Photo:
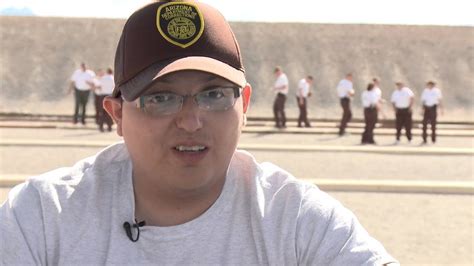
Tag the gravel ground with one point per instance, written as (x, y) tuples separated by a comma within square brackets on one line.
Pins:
[(418, 229)]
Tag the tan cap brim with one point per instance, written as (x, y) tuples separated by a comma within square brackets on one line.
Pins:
[(135, 87)]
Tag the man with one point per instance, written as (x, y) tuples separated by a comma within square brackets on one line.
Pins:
[(104, 87), (302, 94), (177, 192), (402, 100), (96, 88), (281, 89), (81, 81), (430, 99), (371, 103), (345, 91), (378, 92), (376, 88)]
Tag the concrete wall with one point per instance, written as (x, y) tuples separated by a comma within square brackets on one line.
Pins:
[(38, 55)]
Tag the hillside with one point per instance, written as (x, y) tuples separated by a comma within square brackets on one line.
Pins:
[(38, 55)]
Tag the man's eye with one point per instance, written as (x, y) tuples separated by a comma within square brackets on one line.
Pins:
[(161, 97), (218, 93), (214, 94)]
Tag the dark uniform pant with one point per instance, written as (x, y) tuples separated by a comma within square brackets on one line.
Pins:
[(102, 117), (279, 110), (303, 118), (403, 120), (81, 98), (370, 117), (429, 116), (346, 114)]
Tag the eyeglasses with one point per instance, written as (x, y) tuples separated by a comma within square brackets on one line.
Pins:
[(167, 103)]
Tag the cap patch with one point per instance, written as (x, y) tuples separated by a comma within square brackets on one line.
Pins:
[(180, 23)]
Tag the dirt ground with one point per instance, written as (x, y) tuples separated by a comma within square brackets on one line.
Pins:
[(418, 229)]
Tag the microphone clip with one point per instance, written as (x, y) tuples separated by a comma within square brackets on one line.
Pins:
[(128, 229)]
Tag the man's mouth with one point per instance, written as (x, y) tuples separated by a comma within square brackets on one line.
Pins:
[(195, 148)]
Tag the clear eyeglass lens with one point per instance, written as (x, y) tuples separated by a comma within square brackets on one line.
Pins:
[(166, 103), (218, 99), (162, 103)]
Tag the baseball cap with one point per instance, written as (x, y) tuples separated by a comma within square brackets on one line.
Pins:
[(168, 36)]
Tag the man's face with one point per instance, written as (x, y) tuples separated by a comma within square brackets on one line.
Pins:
[(163, 148)]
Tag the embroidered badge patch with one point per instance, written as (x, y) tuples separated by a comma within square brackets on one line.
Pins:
[(180, 23)]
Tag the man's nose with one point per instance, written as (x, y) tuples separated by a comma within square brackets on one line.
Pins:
[(189, 118)]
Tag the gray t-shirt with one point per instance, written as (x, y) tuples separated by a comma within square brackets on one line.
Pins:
[(264, 216)]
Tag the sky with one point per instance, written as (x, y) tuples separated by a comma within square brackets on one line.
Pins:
[(412, 12)]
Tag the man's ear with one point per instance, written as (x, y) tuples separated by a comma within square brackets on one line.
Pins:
[(113, 106), (246, 94)]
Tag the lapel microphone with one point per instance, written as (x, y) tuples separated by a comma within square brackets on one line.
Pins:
[(128, 229)]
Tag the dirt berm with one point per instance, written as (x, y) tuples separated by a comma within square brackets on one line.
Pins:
[(38, 55)]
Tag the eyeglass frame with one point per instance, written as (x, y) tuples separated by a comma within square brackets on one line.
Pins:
[(140, 101)]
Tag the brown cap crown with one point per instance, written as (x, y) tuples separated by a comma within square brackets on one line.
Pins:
[(164, 37)]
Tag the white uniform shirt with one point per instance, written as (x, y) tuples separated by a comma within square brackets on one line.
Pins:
[(263, 216), (431, 97), (106, 84), (80, 79), (344, 88), (303, 88), (282, 80), (96, 82), (369, 98), (378, 91), (401, 98)]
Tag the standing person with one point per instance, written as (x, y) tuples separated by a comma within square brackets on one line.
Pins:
[(96, 87), (176, 191), (301, 98), (370, 102), (281, 89), (376, 88), (402, 100), (345, 91), (81, 81), (430, 99), (105, 88), (381, 100)]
